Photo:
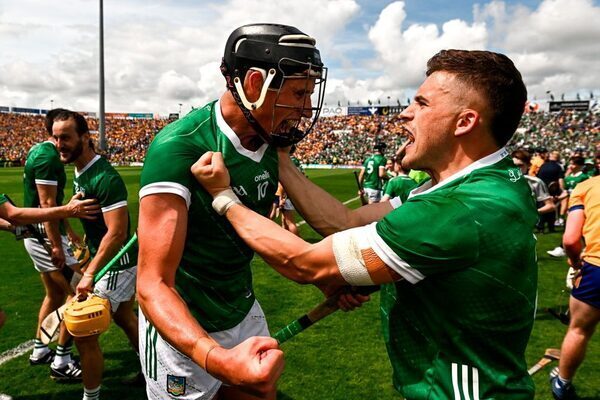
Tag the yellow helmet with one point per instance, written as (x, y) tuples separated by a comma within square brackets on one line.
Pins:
[(87, 317)]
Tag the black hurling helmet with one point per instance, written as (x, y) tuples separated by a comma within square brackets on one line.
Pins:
[(280, 52)]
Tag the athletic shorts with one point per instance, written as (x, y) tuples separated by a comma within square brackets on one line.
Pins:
[(171, 375), (117, 286), (288, 206), (40, 257), (588, 287), (373, 195)]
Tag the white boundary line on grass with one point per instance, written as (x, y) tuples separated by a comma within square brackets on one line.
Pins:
[(17, 351), (28, 345)]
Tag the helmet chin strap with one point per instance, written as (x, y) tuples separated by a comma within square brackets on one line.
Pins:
[(267, 77), (245, 110)]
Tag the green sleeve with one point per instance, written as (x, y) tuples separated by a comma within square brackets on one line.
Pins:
[(169, 161), (110, 191), (47, 167), (3, 198), (432, 234)]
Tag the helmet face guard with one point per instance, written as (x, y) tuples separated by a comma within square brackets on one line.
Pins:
[(281, 53), (293, 135)]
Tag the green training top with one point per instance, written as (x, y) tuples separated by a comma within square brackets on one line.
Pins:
[(572, 180), (99, 180), (400, 186), (43, 167), (458, 325), (214, 276)]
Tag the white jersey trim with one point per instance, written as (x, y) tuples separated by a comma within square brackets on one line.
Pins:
[(388, 256), (168, 187), (92, 161), (395, 202), (486, 161), (45, 182), (255, 156), (114, 206)]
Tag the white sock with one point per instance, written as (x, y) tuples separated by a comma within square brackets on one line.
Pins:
[(62, 357), (91, 394), (40, 349), (563, 380)]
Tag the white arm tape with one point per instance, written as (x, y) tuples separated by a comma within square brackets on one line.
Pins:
[(347, 246), (224, 200)]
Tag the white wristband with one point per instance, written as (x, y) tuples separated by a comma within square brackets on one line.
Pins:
[(224, 200)]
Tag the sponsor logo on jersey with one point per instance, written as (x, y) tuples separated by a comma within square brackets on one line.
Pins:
[(176, 385), (240, 190), (79, 189), (262, 177), (514, 174)]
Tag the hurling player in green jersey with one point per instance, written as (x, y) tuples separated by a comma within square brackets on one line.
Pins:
[(44, 181), (457, 258), (372, 173), (200, 324), (96, 178)]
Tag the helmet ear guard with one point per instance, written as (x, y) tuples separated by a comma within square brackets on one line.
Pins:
[(87, 317)]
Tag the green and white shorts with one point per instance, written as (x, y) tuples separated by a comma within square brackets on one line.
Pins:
[(374, 195), (172, 375), (40, 257), (117, 286)]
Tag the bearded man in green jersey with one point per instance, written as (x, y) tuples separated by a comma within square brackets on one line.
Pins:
[(199, 317), (44, 180), (457, 258), (96, 178)]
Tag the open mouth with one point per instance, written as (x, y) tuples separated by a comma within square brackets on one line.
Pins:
[(409, 136), (287, 125)]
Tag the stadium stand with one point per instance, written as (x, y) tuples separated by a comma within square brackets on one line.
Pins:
[(337, 140)]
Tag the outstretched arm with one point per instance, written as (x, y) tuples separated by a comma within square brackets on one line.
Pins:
[(322, 211), (255, 365), (337, 260), (74, 209)]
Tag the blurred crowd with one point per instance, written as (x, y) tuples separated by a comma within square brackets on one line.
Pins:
[(127, 139), (340, 140)]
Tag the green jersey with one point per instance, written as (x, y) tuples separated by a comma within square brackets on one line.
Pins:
[(214, 276), (3, 198), (99, 180), (43, 167), (458, 324), (400, 186), (371, 179), (572, 180)]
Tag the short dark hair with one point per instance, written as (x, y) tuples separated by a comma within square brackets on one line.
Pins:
[(50, 115), (578, 160), (522, 155), (495, 76), (81, 126)]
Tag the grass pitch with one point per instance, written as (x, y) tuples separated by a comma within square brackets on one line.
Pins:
[(342, 357)]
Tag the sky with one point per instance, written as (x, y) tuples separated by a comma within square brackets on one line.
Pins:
[(163, 56)]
